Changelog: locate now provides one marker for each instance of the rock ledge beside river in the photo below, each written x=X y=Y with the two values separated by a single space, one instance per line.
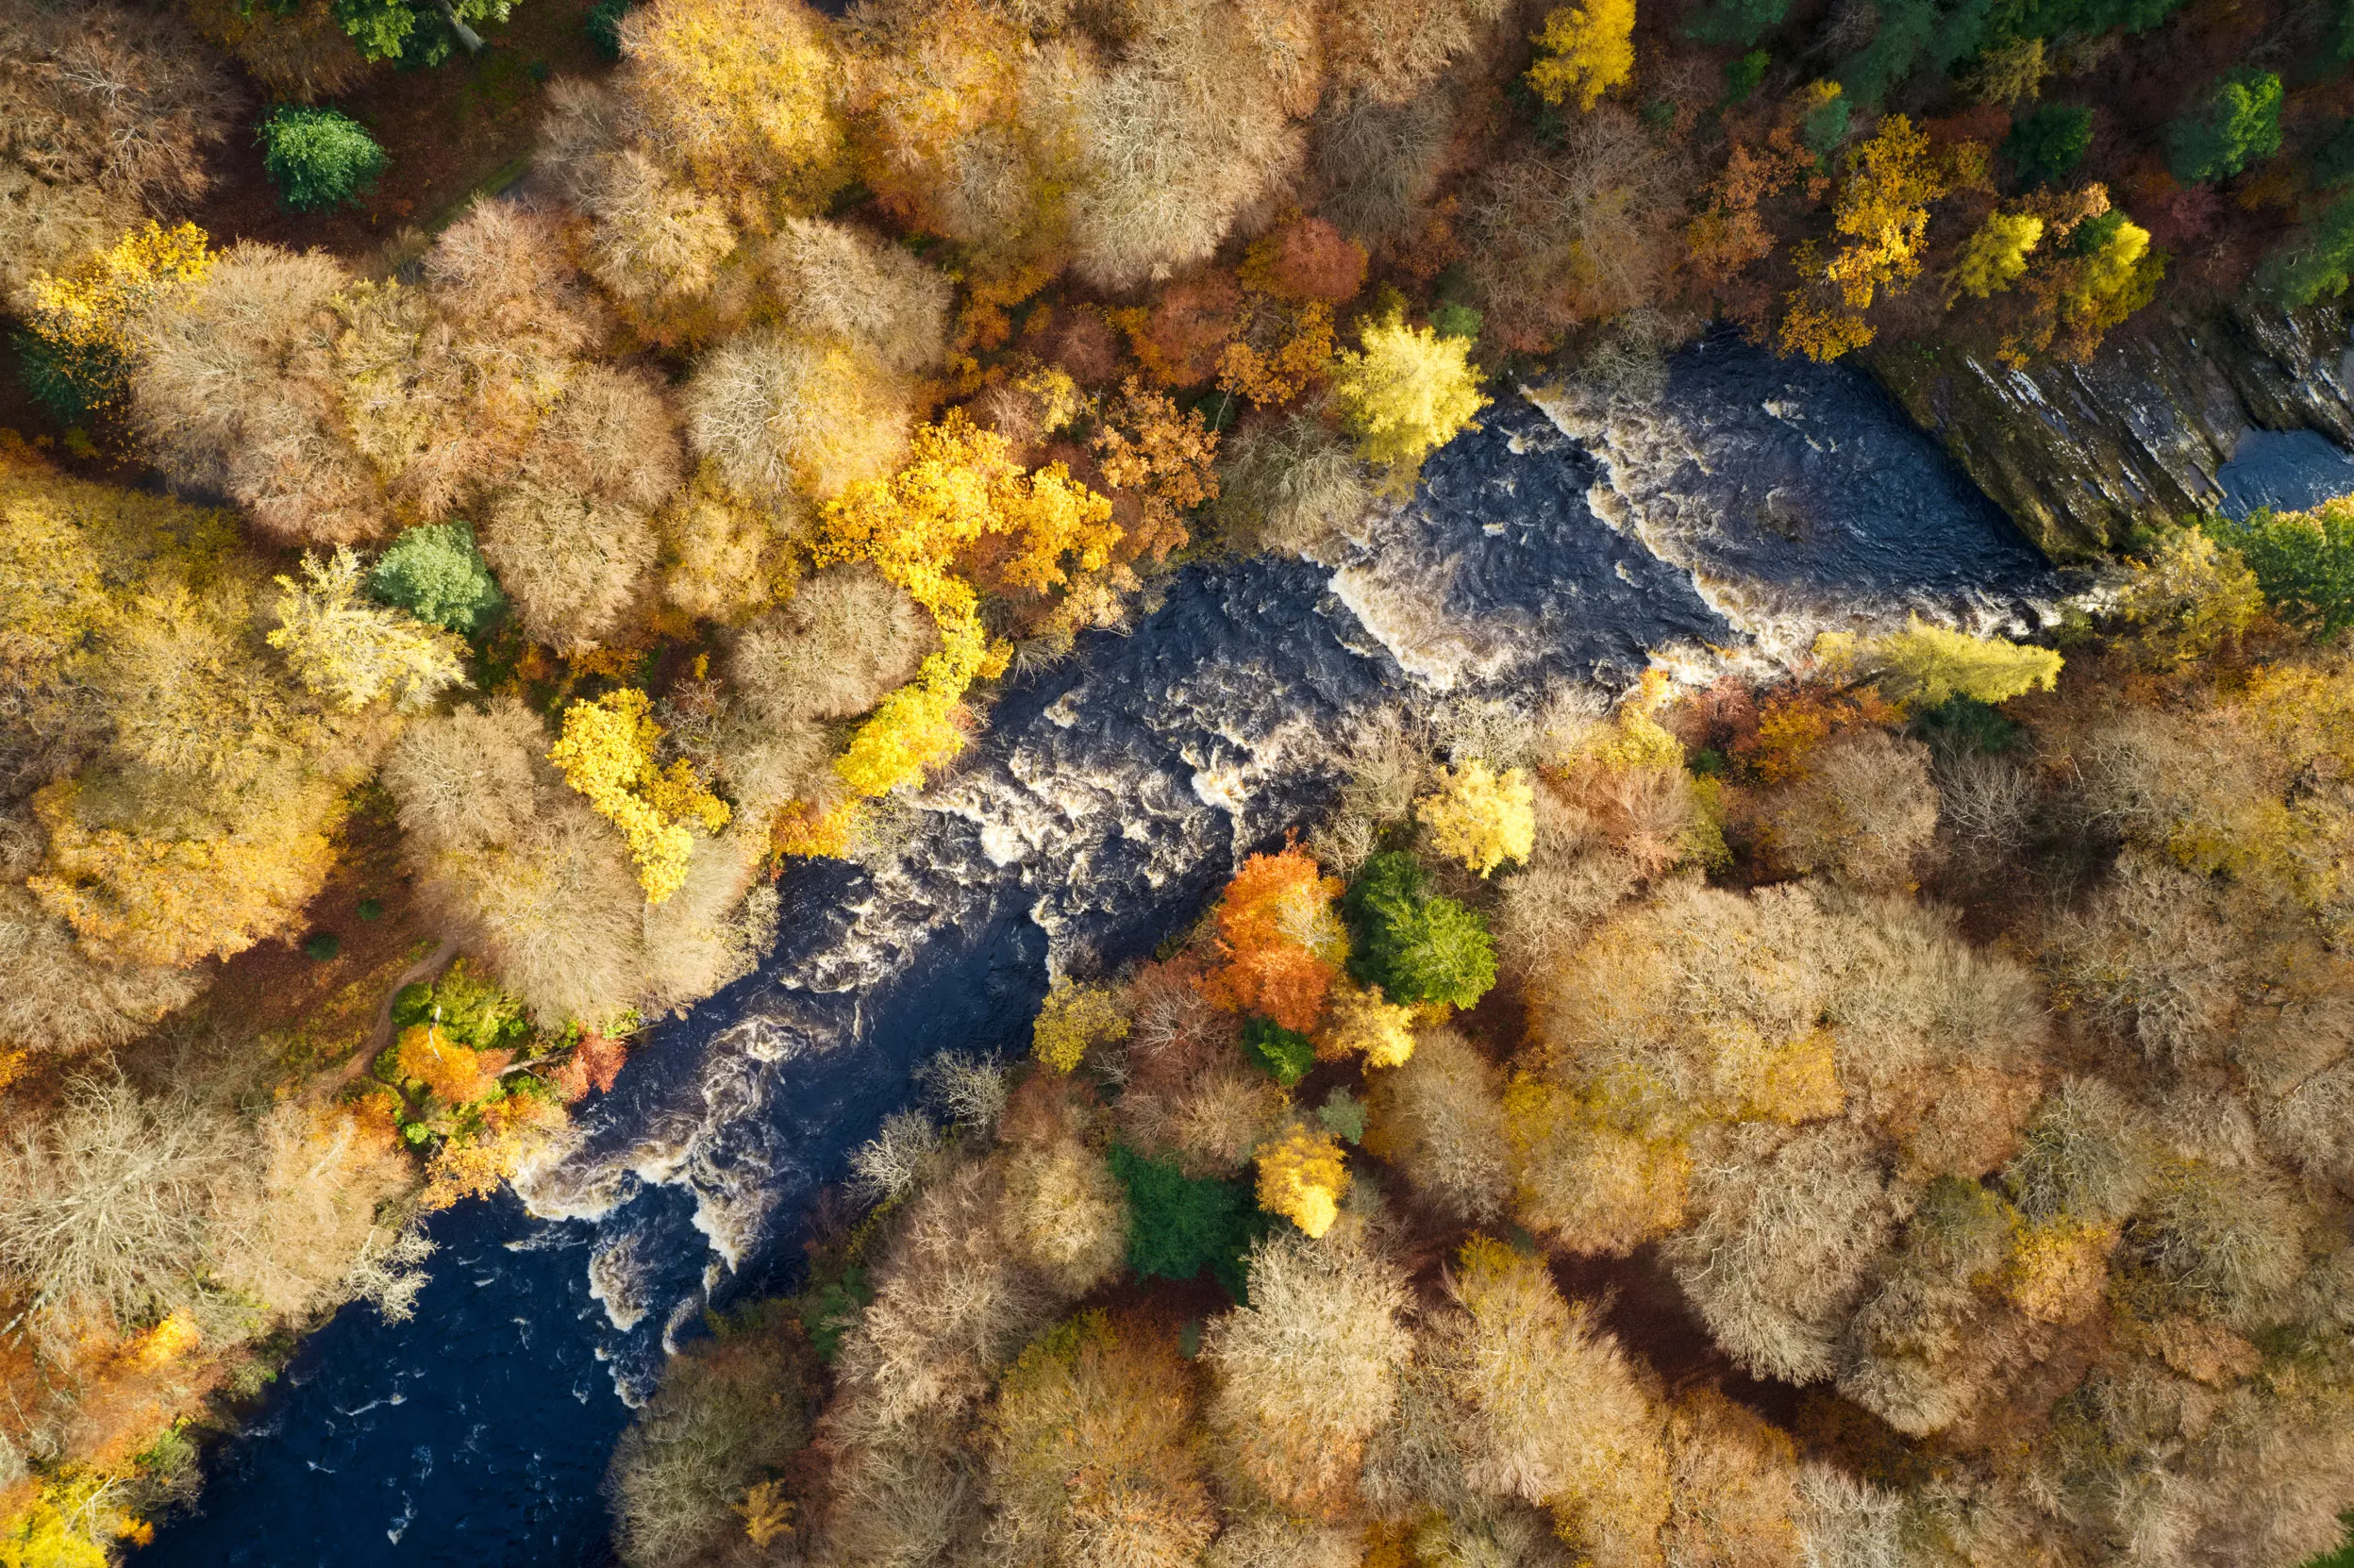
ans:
x=2079 y=455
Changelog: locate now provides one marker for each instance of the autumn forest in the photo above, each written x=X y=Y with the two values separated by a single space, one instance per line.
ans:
x=493 y=489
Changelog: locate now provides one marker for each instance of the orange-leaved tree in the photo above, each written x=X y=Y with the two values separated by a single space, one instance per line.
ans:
x=1280 y=940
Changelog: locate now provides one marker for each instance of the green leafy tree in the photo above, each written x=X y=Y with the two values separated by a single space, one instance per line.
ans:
x=1416 y=945
x=318 y=159
x=417 y=35
x=2238 y=126
x=1179 y=1226
x=1913 y=35
x=1284 y=1055
x=437 y=575
x=2044 y=145
x=2303 y=560
x=2316 y=261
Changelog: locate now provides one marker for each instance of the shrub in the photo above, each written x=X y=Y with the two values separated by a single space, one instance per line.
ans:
x=1277 y=1051
x=1417 y=947
x=1179 y=1226
x=2044 y=145
x=319 y=159
x=436 y=573
x=2303 y=562
x=1408 y=392
x=1307 y=1371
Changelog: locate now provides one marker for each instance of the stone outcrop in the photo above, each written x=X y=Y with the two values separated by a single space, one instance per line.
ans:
x=2081 y=456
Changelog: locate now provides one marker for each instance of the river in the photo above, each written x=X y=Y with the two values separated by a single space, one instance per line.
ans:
x=1752 y=503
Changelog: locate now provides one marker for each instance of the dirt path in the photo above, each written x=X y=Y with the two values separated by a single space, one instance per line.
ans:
x=427 y=967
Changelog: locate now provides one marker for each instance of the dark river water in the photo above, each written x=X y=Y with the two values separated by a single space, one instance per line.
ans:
x=1752 y=504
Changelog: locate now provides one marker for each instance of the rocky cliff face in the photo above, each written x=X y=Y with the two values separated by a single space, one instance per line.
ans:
x=2081 y=455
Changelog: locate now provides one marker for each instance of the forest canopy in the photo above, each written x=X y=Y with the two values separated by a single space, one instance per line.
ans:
x=440 y=600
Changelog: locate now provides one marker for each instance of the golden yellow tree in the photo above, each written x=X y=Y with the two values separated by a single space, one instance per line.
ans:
x=1881 y=218
x=1407 y=394
x=961 y=489
x=1303 y=1177
x=606 y=753
x=1584 y=51
x=1480 y=819
x=1361 y=1022
x=745 y=93
x=352 y=652
x=1995 y=256
x=1072 y=1019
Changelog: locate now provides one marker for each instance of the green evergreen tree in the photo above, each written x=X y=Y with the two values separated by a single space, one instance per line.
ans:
x=1416 y=945
x=2044 y=145
x=2239 y=125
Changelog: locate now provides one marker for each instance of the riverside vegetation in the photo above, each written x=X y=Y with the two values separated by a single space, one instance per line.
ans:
x=537 y=585
x=1890 y=1115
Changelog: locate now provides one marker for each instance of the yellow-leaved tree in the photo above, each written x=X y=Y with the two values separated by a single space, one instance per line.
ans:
x=1408 y=392
x=1072 y=1019
x=1361 y=1022
x=1303 y=1177
x=80 y=349
x=351 y=652
x=1584 y=51
x=1995 y=256
x=1926 y=666
x=606 y=753
x=1881 y=218
x=745 y=93
x=1480 y=819
x=961 y=495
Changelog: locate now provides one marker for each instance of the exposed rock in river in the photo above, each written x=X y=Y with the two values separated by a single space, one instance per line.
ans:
x=2081 y=454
